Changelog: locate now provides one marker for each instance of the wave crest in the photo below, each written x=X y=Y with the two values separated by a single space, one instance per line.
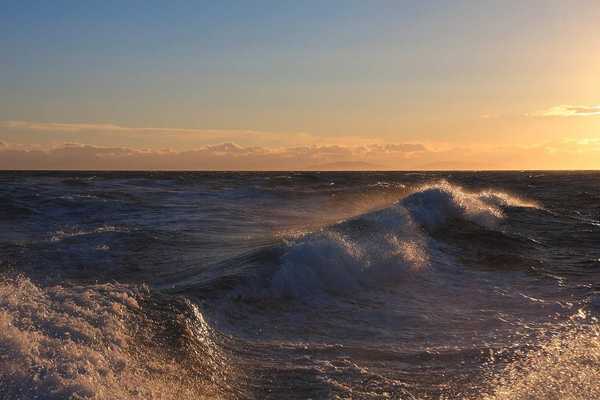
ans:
x=435 y=204
x=380 y=247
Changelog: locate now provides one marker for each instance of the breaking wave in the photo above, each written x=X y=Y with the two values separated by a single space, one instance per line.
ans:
x=98 y=342
x=382 y=246
x=435 y=204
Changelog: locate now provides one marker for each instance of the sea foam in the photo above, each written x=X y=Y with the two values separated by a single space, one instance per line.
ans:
x=62 y=342
x=565 y=366
x=435 y=204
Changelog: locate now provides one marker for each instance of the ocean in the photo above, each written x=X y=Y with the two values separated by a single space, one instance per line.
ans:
x=298 y=285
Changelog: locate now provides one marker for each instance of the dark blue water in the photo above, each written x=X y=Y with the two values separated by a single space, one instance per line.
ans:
x=299 y=285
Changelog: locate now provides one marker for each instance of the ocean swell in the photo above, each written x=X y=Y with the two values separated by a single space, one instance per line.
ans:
x=382 y=246
x=356 y=254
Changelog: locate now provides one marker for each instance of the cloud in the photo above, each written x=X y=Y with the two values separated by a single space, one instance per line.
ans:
x=576 y=153
x=222 y=156
x=569 y=111
x=156 y=137
x=587 y=142
x=103 y=133
x=89 y=128
x=397 y=148
x=47 y=145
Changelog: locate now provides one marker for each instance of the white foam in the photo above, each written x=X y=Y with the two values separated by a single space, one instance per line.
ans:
x=66 y=233
x=78 y=342
x=565 y=367
x=435 y=204
x=373 y=249
x=326 y=261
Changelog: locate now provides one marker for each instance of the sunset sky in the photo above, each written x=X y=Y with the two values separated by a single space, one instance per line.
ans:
x=300 y=84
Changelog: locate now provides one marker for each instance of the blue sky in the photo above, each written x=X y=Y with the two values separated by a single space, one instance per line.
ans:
x=388 y=71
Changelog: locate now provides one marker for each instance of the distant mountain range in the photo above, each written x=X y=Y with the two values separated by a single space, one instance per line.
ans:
x=458 y=166
x=434 y=166
x=345 y=166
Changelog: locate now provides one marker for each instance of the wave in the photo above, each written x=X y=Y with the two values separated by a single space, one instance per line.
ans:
x=401 y=293
x=381 y=247
x=435 y=204
x=99 y=341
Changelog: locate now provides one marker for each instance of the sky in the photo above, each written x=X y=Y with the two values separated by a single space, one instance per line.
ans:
x=273 y=85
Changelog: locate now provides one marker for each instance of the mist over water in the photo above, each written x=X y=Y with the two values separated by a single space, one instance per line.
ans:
x=300 y=285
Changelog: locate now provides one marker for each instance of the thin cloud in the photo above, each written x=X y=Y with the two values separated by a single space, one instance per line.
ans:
x=180 y=137
x=570 y=111
x=574 y=153
x=222 y=156
x=82 y=128
x=151 y=136
x=581 y=153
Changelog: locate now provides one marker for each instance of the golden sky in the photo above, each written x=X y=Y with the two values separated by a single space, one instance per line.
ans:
x=284 y=85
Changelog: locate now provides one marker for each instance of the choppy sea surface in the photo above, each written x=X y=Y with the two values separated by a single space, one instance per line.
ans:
x=400 y=285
